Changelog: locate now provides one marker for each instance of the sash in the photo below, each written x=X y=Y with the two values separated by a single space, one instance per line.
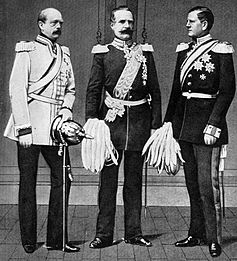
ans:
x=195 y=54
x=53 y=71
x=129 y=73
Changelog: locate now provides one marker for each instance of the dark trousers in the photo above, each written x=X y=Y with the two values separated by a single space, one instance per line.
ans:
x=201 y=168
x=28 y=165
x=132 y=196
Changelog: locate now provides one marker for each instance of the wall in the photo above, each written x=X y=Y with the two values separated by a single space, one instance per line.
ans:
x=165 y=23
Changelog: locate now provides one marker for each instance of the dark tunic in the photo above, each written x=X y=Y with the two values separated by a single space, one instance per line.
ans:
x=131 y=131
x=190 y=116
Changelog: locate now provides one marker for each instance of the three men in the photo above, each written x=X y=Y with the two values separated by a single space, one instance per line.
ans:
x=203 y=88
x=41 y=87
x=126 y=73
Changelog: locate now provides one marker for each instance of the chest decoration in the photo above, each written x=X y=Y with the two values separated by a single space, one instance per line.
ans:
x=204 y=65
x=134 y=59
x=199 y=59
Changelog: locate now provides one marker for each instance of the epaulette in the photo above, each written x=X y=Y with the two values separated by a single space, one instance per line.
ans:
x=223 y=47
x=182 y=46
x=66 y=50
x=99 y=48
x=147 y=47
x=25 y=46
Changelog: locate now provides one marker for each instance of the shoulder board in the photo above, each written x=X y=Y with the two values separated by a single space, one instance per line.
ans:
x=147 y=47
x=66 y=50
x=223 y=47
x=99 y=48
x=181 y=47
x=25 y=46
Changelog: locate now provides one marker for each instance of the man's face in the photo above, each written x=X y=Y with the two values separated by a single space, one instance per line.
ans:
x=52 y=27
x=123 y=25
x=195 y=27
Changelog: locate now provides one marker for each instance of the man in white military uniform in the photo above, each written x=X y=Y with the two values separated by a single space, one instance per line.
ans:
x=41 y=88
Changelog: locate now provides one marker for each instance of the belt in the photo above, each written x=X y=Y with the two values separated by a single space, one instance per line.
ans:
x=116 y=106
x=45 y=99
x=190 y=95
x=113 y=102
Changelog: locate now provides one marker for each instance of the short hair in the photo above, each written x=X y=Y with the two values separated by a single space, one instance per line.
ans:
x=205 y=14
x=121 y=7
x=42 y=16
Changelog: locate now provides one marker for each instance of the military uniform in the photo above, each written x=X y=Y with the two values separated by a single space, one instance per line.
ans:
x=202 y=91
x=130 y=126
x=41 y=84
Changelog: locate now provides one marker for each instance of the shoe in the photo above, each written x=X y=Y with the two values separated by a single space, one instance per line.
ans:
x=100 y=243
x=140 y=240
x=214 y=249
x=29 y=248
x=190 y=242
x=67 y=248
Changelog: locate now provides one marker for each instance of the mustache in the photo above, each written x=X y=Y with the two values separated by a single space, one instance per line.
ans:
x=57 y=32
x=127 y=31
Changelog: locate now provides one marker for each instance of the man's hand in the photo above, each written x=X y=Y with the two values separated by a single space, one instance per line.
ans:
x=25 y=140
x=66 y=115
x=209 y=139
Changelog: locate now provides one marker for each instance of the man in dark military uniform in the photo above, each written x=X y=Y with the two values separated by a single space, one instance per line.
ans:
x=127 y=73
x=41 y=87
x=203 y=88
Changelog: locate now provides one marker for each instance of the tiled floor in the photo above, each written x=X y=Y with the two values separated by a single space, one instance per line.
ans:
x=162 y=225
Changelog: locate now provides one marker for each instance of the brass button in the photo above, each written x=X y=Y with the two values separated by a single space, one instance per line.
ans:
x=189 y=83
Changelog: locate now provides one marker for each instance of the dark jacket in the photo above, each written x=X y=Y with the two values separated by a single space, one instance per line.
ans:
x=131 y=131
x=216 y=75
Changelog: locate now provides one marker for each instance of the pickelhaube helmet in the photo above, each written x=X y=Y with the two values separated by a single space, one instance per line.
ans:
x=70 y=133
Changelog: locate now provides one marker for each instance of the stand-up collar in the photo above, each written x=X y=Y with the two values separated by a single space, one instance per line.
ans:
x=46 y=41
x=203 y=39
x=121 y=44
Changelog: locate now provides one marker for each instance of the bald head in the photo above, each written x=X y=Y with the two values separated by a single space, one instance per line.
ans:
x=47 y=12
x=50 y=23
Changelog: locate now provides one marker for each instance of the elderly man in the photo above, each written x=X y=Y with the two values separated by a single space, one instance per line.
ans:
x=41 y=88
x=203 y=88
x=126 y=72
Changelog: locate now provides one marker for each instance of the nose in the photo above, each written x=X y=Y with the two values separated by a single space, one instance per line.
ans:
x=58 y=25
x=126 y=24
x=187 y=24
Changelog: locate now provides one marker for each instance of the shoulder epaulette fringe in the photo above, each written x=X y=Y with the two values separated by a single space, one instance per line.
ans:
x=223 y=47
x=25 y=46
x=99 y=48
x=147 y=47
x=181 y=47
x=66 y=50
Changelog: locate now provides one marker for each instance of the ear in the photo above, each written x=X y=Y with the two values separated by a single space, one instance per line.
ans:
x=40 y=24
x=111 y=25
x=204 y=25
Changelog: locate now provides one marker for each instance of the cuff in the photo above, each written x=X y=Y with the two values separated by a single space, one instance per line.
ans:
x=22 y=130
x=213 y=131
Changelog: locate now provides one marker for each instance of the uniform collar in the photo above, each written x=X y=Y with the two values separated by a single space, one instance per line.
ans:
x=203 y=39
x=46 y=41
x=119 y=44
